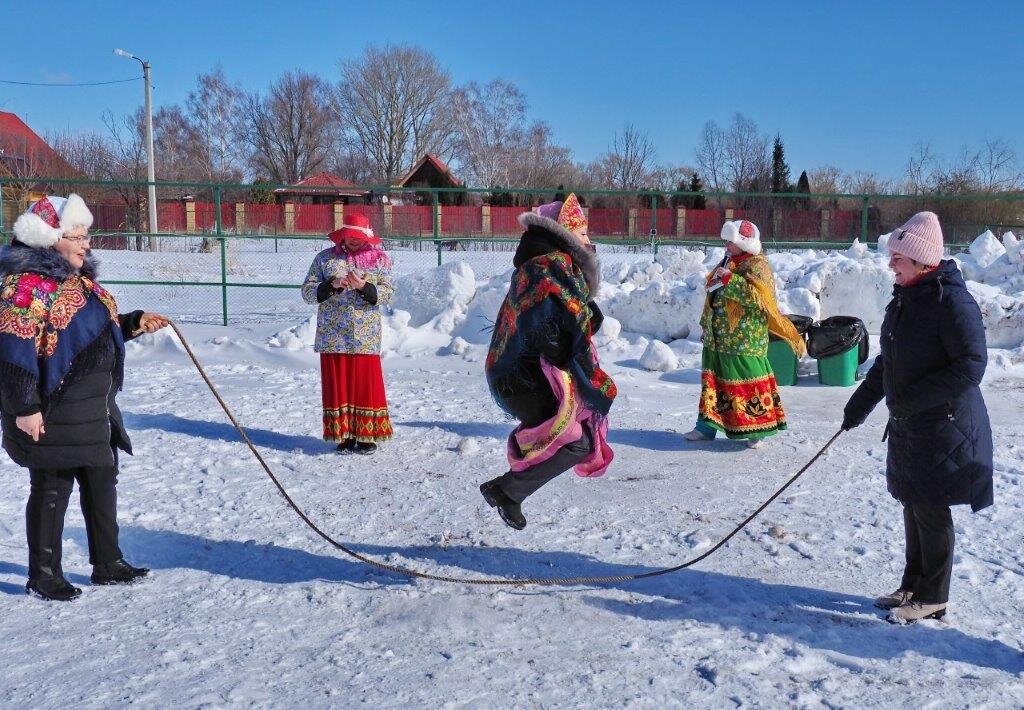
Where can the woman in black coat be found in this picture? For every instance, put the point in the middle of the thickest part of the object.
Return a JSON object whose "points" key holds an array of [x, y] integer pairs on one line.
{"points": [[932, 361], [61, 366]]}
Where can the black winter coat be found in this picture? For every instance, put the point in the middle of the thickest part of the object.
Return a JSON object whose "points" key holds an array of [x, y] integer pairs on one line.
{"points": [[528, 396], [932, 360], [83, 423]]}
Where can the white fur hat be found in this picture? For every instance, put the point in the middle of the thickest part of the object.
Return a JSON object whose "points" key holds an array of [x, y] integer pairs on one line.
{"points": [[48, 218], [743, 234]]}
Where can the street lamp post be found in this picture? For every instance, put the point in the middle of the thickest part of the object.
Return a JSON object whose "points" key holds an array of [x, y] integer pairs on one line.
{"points": [[151, 201]]}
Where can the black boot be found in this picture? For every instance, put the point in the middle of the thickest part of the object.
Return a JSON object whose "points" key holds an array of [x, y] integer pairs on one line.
{"points": [[117, 572], [366, 448], [347, 446], [508, 509], [56, 589]]}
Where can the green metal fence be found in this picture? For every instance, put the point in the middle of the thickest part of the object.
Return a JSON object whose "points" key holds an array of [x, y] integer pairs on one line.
{"points": [[216, 240]]}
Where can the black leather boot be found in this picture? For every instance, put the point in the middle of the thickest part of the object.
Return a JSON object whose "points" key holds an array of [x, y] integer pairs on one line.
{"points": [[56, 589], [510, 511], [117, 572]]}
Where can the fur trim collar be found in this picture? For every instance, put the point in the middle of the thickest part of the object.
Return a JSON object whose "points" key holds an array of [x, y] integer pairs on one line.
{"points": [[20, 259], [544, 235]]}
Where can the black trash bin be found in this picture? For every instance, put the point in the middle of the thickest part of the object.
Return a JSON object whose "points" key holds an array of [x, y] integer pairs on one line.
{"points": [[839, 344]]}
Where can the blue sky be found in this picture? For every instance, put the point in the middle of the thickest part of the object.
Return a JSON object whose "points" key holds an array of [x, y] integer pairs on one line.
{"points": [[852, 84]]}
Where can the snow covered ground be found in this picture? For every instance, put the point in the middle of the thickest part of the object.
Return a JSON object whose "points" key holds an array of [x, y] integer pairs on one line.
{"points": [[247, 607]]}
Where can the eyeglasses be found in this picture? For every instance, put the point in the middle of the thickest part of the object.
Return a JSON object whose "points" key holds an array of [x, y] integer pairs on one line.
{"points": [[78, 240]]}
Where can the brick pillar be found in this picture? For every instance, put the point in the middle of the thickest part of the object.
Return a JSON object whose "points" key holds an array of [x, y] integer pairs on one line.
{"points": [[289, 218], [680, 221], [389, 219], [485, 219], [339, 215], [776, 223], [826, 224], [190, 217], [239, 218], [632, 222], [729, 213]]}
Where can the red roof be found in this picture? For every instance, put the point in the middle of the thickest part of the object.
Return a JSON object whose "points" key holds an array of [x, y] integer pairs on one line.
{"points": [[437, 163], [18, 142], [317, 184]]}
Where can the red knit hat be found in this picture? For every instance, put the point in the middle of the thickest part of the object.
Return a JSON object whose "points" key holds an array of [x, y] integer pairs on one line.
{"points": [[356, 226]]}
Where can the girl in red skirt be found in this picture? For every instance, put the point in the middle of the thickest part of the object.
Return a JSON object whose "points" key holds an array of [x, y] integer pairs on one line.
{"points": [[350, 281]]}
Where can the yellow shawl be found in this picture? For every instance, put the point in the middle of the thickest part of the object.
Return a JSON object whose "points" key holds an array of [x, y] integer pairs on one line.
{"points": [[758, 274]]}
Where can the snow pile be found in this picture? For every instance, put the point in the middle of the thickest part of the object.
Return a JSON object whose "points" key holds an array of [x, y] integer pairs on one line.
{"points": [[659, 357], [986, 249], [451, 309], [438, 296]]}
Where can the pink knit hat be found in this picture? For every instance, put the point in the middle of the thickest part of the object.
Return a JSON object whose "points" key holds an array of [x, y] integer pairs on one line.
{"points": [[920, 239]]}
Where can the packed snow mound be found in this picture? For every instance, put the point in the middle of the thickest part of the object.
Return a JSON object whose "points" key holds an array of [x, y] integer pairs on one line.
{"points": [[986, 249], [483, 310], [301, 337], [428, 294], [447, 310], [1012, 246], [658, 357]]}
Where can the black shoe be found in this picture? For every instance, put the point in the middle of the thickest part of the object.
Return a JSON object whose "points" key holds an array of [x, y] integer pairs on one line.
{"points": [[510, 511], [347, 446], [365, 447], [117, 572], [56, 589]]}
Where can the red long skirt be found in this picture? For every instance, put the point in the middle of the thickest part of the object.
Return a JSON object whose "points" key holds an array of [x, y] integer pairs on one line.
{"points": [[355, 404]]}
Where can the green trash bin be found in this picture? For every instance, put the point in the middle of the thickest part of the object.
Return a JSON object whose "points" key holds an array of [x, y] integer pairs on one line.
{"points": [[782, 360], [840, 345], [839, 370]]}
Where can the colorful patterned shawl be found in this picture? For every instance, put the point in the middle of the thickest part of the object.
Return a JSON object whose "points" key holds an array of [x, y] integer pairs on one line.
{"points": [[48, 315], [758, 273], [548, 291]]}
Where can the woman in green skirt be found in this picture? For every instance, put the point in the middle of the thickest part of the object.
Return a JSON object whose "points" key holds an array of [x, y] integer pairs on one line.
{"points": [[739, 395]]}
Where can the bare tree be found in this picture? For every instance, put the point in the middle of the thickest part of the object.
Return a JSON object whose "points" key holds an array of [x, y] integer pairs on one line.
{"points": [[394, 101], [921, 169], [125, 161], [629, 160], [290, 131], [997, 166], [825, 179], [746, 159], [540, 163], [710, 157], [491, 125], [215, 111], [174, 146]]}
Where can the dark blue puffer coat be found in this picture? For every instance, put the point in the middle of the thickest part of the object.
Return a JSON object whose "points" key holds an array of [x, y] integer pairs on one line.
{"points": [[929, 371]]}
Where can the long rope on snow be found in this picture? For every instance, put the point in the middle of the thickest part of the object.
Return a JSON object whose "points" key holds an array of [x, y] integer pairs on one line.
{"points": [[483, 581]]}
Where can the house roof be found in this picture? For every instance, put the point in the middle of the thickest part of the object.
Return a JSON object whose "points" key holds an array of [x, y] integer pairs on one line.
{"points": [[322, 184], [19, 143], [437, 163]]}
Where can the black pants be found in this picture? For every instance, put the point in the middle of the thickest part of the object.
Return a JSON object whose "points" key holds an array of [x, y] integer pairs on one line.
{"points": [[47, 504], [520, 486], [930, 538]]}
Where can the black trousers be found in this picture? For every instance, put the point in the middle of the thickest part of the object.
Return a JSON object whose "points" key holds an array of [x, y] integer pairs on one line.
{"points": [[520, 486], [930, 539], [47, 504]]}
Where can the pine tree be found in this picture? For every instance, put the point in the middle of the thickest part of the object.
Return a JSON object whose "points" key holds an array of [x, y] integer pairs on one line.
{"points": [[780, 171], [803, 185], [697, 202]]}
